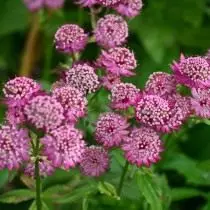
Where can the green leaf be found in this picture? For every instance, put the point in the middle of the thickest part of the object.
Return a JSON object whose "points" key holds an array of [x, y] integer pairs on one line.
{"points": [[4, 175], [185, 193], [76, 194], [14, 17], [33, 206], [108, 189], [207, 206], [17, 196], [149, 190]]}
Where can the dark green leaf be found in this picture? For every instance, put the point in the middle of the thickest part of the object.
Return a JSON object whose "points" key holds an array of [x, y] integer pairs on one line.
{"points": [[4, 175], [17, 196]]}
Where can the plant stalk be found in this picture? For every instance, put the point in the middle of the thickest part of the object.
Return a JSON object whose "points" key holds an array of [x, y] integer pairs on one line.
{"points": [[37, 177], [122, 178]]}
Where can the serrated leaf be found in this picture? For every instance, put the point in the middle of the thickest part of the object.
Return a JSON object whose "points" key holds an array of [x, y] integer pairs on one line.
{"points": [[17, 196], [149, 190], [185, 193], [4, 175], [108, 189]]}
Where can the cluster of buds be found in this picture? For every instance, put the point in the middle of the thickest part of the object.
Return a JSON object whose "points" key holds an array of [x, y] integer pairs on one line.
{"points": [[136, 120]]}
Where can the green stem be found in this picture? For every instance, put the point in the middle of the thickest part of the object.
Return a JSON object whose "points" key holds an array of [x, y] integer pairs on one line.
{"points": [[122, 178], [93, 18], [37, 177]]}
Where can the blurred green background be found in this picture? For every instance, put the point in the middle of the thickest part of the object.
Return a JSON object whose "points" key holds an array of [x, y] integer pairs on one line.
{"points": [[164, 29]]}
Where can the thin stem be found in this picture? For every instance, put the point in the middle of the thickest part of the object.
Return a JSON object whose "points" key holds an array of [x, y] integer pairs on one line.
{"points": [[38, 179], [122, 178], [93, 18]]}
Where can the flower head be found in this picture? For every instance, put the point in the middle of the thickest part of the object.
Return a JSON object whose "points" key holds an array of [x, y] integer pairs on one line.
{"points": [[108, 2], [129, 8], [14, 144], [20, 90], [119, 61], [193, 72], [44, 112], [142, 147], [161, 83], [95, 161], [54, 4], [200, 102], [124, 95], [72, 100], [70, 38], [34, 5], [161, 114], [64, 146], [111, 31], [45, 167], [110, 80], [15, 115], [111, 129], [83, 77], [87, 3]]}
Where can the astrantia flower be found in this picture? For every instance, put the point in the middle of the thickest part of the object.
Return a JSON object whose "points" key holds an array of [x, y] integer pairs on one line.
{"points": [[70, 38], [72, 100], [193, 72], [82, 77], [111, 31], [64, 146], [108, 2], [15, 115], [110, 80], [201, 102], [87, 3], [14, 147], [124, 95], [161, 83], [111, 129], [34, 5], [129, 8], [119, 60], [45, 167], [54, 4], [44, 112], [142, 147], [19, 90], [95, 161], [161, 114]]}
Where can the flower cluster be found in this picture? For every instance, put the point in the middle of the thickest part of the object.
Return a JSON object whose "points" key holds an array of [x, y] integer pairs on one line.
{"points": [[34, 5], [135, 119]]}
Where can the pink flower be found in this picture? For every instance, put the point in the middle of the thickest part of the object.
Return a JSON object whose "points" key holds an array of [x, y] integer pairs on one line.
{"points": [[161, 83], [70, 38], [45, 167], [111, 129], [20, 90], [124, 95], [73, 102], [108, 2], [142, 147], [44, 112], [110, 80], [82, 77], [193, 72], [14, 147], [64, 146], [15, 115], [201, 102], [34, 5], [129, 8], [111, 31], [54, 4], [95, 161], [119, 61], [161, 114], [87, 3], [208, 56]]}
